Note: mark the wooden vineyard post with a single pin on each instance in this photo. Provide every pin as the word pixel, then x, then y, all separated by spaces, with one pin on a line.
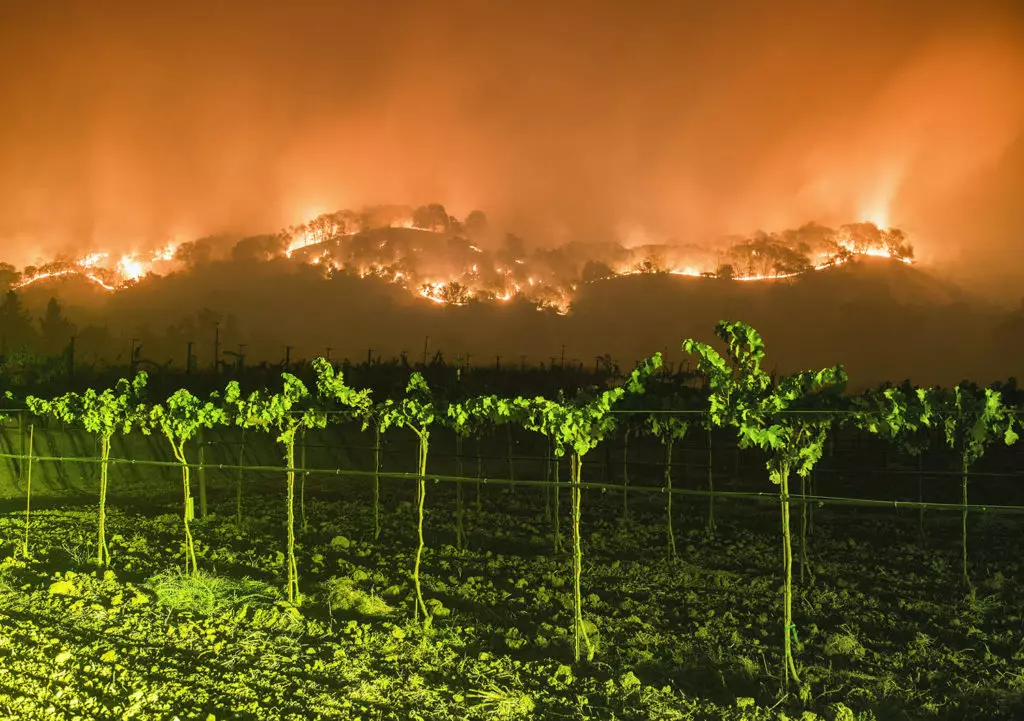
pixel 238 479
pixel 202 474
pixel 625 475
pixel 28 489
pixel 803 527
pixel 511 465
pixel 376 481
pixel 21 446
pixel 670 534
pixel 920 495
pixel 711 487
pixel 302 484
pixel 479 473
pixel 460 533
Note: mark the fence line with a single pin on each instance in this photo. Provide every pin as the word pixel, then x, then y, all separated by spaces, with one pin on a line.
pixel 796 499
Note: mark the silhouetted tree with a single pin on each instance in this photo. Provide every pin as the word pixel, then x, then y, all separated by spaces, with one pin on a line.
pixel 55 328
pixel 330 226
pixel 16 328
pixel 897 244
pixel 596 270
pixel 769 254
pixel 260 247
pixel 475 224
pixel 432 217
pixel 513 249
pixel 790 260
pixel 9 277
pixel 195 252
pixel 455 293
pixel 95 342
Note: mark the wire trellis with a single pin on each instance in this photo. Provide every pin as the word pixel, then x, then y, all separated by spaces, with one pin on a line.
pixel 759 496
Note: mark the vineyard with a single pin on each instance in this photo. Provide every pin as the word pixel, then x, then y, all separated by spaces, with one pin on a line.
pixel 715 543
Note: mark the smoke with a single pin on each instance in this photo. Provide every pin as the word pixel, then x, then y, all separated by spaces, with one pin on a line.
pixel 126 126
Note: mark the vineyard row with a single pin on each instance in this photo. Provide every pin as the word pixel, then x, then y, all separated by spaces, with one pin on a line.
pixel 788 418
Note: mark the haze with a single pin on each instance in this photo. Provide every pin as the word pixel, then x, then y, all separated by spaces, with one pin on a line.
pixel 125 124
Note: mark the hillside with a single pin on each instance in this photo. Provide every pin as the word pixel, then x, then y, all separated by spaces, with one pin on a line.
pixel 882 318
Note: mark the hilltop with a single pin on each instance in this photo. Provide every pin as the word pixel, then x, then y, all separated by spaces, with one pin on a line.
pixel 883 318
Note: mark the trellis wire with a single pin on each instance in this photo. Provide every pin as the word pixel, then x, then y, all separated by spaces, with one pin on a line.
pixel 404 475
pixel 636 461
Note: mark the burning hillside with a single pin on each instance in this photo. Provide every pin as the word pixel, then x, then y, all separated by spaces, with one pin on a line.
pixel 446 261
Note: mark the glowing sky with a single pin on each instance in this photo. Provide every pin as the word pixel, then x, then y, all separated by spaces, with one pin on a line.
pixel 127 123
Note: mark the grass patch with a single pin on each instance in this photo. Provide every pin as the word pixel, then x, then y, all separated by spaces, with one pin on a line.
pixel 206 594
pixel 342 594
pixel 498 703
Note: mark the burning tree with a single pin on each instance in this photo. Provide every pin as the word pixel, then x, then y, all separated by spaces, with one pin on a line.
pixel 475 225
pixel 768 254
pixel 432 217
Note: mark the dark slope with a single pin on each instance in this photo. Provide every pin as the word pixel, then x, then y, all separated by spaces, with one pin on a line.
pixel 882 318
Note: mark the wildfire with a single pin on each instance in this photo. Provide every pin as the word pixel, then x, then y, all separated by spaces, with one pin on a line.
pixel 95 267
pixel 68 271
pixel 344 243
pixel 130 267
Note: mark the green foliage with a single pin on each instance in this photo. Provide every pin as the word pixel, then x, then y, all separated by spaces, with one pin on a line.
pixel 9 400
pixel 903 416
pixel 471 416
pixel 973 419
pixel 761 410
pixel 578 427
pixel 664 427
pixel 899 415
pixel 789 419
pixel 336 396
pixel 180 418
pixel 668 429
pixel 114 410
pixel 284 413
pixel 334 393
pixel 416 412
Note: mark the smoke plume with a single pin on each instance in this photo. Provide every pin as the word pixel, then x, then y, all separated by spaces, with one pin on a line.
pixel 127 125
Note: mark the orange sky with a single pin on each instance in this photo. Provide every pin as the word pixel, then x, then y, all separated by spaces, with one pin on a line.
pixel 124 124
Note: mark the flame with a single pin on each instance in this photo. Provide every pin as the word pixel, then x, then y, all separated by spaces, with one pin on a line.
pixel 513 277
pixel 93 260
pixel 166 253
pixel 95 267
pixel 130 267
pixel 68 271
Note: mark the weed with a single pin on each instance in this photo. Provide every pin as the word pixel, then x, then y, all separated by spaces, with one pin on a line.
pixel 205 594
pixel 344 595
pixel 844 644
pixel 498 703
